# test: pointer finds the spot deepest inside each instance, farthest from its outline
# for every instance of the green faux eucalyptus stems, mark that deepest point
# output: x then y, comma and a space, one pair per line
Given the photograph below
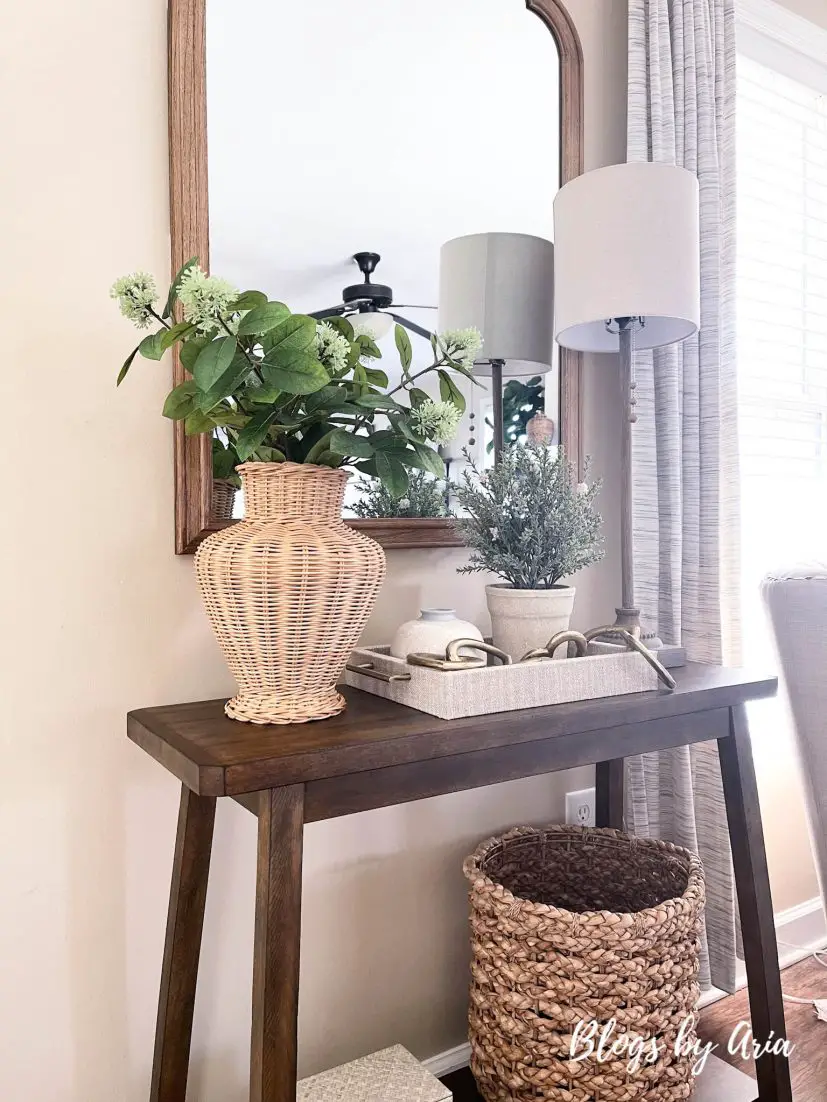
285, 387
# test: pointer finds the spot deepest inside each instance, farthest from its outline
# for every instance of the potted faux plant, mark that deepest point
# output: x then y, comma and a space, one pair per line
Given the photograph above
297, 401
528, 521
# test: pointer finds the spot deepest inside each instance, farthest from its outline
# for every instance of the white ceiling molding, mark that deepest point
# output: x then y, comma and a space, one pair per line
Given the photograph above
781, 40
783, 26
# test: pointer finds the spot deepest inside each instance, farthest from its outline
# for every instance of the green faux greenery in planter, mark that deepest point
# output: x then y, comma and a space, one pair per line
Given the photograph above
521, 402
285, 387
425, 497
529, 522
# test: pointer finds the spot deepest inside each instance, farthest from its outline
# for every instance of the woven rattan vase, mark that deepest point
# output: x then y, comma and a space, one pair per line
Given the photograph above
288, 591
573, 925
223, 499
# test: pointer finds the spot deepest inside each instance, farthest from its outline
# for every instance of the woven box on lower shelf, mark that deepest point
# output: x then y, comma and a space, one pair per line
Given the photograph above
573, 926
391, 1075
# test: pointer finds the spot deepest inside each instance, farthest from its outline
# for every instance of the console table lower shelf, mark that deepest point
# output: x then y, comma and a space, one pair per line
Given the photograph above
378, 753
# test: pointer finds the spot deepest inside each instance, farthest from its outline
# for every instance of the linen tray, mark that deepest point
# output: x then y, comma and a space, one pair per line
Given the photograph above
497, 688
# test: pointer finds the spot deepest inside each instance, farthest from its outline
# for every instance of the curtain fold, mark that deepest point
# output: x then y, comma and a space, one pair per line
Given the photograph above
681, 110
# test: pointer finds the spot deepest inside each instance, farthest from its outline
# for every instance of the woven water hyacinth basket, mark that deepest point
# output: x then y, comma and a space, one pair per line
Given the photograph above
573, 925
288, 591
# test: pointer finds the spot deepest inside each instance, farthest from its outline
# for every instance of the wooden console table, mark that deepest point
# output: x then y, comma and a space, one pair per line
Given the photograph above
379, 753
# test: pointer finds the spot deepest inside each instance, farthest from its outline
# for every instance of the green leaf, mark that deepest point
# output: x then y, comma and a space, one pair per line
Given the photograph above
392, 474
403, 347
449, 392
248, 300
431, 460
327, 398
176, 283
291, 362
223, 459
126, 365
378, 401
347, 443
409, 458
180, 401
368, 346
190, 350
300, 373
375, 376
367, 467
253, 433
176, 333
262, 319
262, 395
213, 361
463, 369
226, 415
319, 449
417, 397
197, 422
151, 347
226, 384
265, 454
342, 325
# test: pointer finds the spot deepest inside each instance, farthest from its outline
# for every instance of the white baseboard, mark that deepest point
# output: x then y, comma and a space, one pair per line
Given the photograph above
802, 928
800, 931
446, 1062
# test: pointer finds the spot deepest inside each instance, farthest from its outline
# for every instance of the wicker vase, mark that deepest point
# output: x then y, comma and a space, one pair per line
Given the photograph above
288, 591
223, 499
572, 925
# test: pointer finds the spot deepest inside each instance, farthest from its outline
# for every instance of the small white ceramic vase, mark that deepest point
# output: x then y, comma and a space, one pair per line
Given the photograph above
432, 632
525, 619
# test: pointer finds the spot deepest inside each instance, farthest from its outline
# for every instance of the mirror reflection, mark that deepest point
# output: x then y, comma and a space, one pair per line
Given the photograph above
346, 147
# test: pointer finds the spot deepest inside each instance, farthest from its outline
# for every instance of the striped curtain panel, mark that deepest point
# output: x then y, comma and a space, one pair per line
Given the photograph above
681, 110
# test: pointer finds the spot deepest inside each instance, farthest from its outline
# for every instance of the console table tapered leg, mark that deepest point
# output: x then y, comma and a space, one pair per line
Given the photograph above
609, 794
182, 947
277, 940
755, 903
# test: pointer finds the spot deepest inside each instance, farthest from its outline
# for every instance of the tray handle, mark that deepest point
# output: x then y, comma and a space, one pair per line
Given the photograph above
367, 669
452, 650
633, 643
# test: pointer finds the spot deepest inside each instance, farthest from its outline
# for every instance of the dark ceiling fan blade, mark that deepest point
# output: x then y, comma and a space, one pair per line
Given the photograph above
413, 306
414, 328
330, 312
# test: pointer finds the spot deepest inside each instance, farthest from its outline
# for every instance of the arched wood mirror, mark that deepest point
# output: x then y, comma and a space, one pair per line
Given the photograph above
302, 134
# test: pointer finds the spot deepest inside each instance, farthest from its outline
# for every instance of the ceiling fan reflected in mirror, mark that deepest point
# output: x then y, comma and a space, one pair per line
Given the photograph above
371, 305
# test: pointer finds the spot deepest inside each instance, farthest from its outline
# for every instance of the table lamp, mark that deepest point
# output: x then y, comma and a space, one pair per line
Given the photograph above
503, 285
627, 275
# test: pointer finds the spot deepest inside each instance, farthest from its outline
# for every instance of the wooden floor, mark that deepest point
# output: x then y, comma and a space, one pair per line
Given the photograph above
808, 1061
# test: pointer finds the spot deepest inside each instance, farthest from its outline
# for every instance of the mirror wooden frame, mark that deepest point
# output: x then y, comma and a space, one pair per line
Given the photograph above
189, 232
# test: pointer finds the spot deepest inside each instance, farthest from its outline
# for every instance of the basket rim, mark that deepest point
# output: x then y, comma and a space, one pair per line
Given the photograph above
693, 897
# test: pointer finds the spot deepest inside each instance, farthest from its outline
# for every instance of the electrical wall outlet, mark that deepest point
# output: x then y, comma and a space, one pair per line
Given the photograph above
580, 807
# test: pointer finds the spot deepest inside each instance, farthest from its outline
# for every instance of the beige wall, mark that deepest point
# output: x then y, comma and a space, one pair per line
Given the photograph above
814, 10
101, 617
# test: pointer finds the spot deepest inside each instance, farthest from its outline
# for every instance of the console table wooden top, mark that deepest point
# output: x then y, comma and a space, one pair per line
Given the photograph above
378, 753
217, 756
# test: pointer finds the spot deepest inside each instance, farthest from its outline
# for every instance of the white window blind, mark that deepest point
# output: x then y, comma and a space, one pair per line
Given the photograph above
782, 329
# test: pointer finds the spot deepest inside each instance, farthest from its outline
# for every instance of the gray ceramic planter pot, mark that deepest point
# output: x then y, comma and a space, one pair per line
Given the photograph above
525, 619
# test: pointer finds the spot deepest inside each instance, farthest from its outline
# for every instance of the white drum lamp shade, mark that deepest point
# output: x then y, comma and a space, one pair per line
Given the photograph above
627, 244
503, 285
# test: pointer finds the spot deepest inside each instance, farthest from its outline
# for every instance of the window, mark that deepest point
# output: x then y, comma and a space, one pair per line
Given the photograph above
781, 328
